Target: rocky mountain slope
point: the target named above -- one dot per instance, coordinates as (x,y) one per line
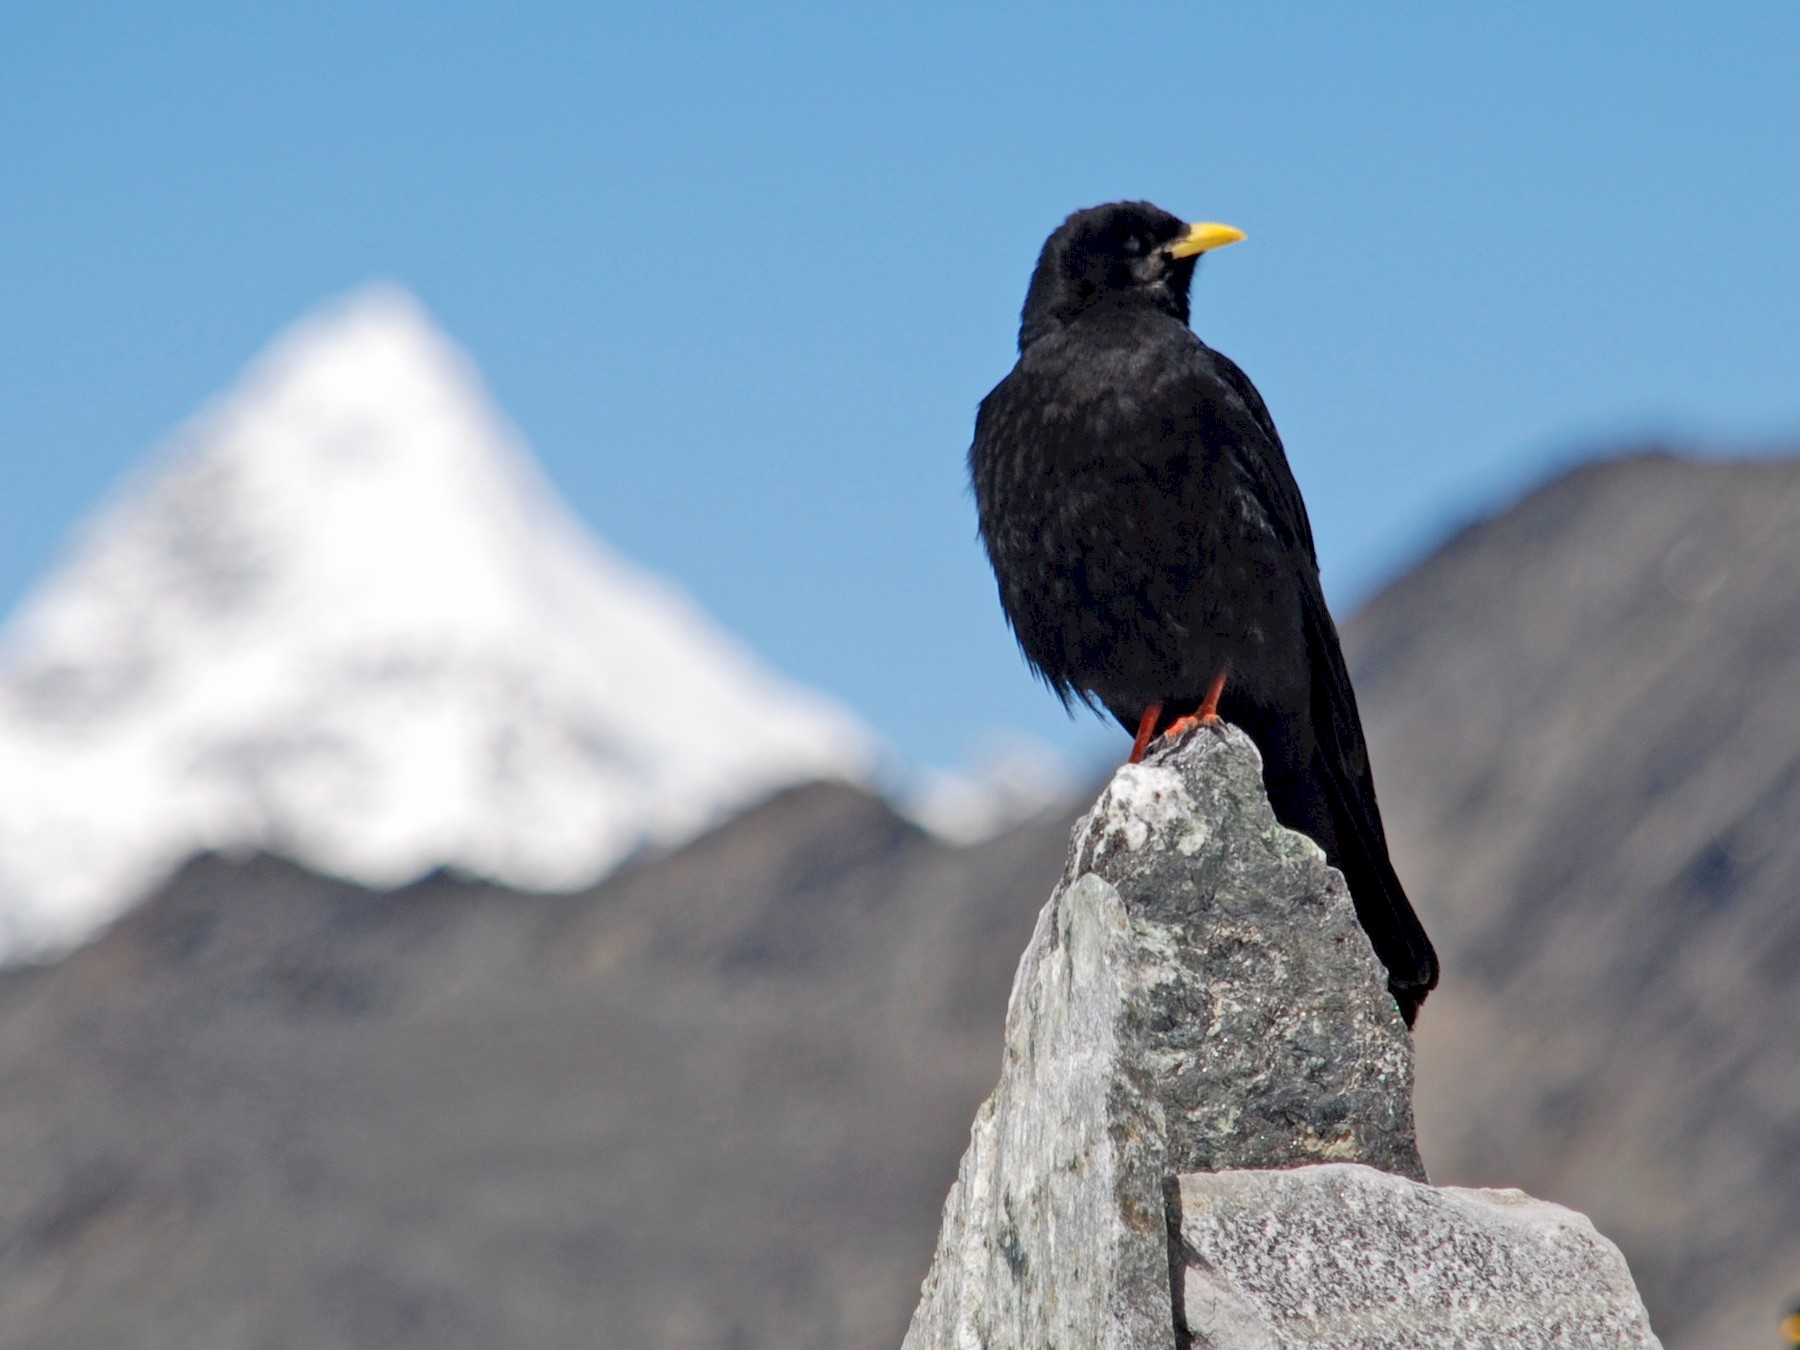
(1585,717)
(341,615)
(715,1102)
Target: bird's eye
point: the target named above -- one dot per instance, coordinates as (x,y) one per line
(1133,246)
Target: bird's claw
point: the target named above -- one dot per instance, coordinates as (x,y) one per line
(1182,725)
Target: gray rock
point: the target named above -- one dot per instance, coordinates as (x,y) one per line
(1197,995)
(1355,1259)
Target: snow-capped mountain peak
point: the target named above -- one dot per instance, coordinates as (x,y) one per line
(341,615)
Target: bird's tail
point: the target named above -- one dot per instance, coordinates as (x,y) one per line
(1359,844)
(1381,905)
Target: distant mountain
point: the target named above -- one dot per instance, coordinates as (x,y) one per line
(718,1099)
(1584,715)
(342,616)
(715,1102)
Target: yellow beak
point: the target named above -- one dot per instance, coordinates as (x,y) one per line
(1206,235)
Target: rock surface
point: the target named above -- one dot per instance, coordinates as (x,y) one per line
(1197,995)
(1202,1135)
(1355,1259)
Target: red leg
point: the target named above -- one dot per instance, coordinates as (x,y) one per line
(1206,715)
(1209,710)
(1146,729)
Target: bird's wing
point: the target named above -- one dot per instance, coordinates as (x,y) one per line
(1265,459)
(1257,454)
(1340,755)
(1336,722)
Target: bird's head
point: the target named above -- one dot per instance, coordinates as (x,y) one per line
(1129,251)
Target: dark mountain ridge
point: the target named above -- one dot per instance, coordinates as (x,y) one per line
(715,1101)
(718,1100)
(1585,716)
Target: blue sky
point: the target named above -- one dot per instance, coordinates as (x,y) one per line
(742,276)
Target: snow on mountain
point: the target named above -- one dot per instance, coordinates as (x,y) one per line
(1009,778)
(343,617)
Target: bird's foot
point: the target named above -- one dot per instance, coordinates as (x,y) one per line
(1206,715)
(1182,725)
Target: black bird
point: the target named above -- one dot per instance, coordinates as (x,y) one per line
(1153,553)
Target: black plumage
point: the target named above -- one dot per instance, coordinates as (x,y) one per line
(1149,538)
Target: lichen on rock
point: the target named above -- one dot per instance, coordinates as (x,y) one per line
(1355,1259)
